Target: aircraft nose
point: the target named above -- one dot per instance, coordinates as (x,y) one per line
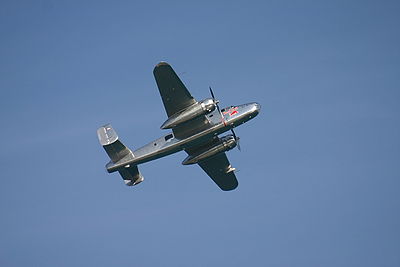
(257,108)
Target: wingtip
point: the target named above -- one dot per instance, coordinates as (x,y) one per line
(162,63)
(230,187)
(160,66)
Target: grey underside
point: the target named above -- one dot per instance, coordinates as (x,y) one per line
(176,97)
(217,167)
(192,136)
(116,151)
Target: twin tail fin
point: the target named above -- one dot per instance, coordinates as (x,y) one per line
(117,151)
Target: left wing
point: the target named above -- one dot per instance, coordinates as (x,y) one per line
(221,171)
(217,167)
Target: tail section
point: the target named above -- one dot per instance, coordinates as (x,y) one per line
(109,140)
(131,175)
(117,151)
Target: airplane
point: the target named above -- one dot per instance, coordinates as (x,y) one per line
(195,128)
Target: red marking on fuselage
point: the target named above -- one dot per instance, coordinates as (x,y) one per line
(231,112)
(223,120)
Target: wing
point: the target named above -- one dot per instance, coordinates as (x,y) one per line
(220,170)
(173,92)
(217,167)
(176,97)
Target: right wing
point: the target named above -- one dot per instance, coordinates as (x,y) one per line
(176,97)
(173,92)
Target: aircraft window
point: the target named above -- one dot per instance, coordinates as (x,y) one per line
(211,115)
(223,110)
(169,137)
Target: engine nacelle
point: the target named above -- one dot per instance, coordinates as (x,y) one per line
(200,108)
(225,143)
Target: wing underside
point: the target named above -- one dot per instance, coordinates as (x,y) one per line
(220,171)
(176,98)
(173,92)
(217,167)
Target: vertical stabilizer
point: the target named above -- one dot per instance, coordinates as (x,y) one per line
(116,150)
(109,140)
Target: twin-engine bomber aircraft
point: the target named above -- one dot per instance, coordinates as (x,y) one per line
(195,129)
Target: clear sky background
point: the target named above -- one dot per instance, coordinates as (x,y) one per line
(319,171)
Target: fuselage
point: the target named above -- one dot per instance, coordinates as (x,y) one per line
(232,116)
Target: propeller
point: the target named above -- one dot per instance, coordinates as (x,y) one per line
(237,139)
(222,117)
(215,101)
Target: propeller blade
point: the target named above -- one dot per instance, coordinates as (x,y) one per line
(234,135)
(236,139)
(213,97)
(222,117)
(219,110)
(212,94)
(216,103)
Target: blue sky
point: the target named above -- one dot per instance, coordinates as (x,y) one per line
(319,173)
